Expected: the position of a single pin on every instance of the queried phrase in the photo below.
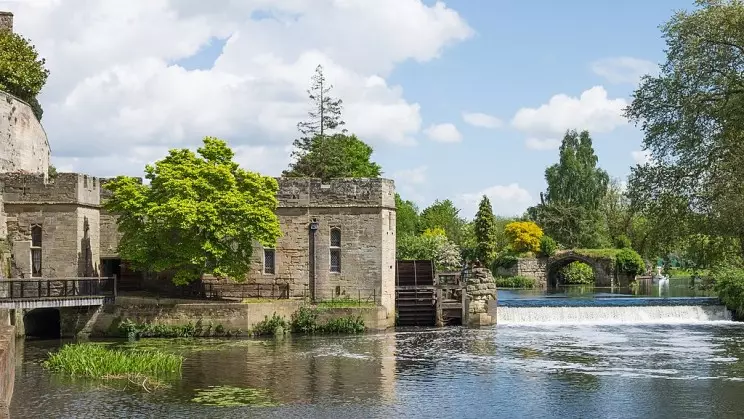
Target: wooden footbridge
(424, 298)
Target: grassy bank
(514, 282)
(144, 368)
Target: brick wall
(23, 143)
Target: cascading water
(612, 310)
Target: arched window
(36, 250)
(335, 249)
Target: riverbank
(7, 368)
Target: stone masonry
(363, 211)
(6, 21)
(23, 143)
(481, 290)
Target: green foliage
(324, 116)
(445, 254)
(486, 246)
(608, 254)
(97, 361)
(200, 215)
(628, 261)
(571, 226)
(270, 326)
(524, 236)
(335, 156)
(505, 260)
(577, 273)
(515, 282)
(406, 217)
(548, 246)
(622, 242)
(133, 330)
(305, 320)
(22, 72)
(443, 214)
(729, 284)
(690, 114)
(229, 396)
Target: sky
(459, 99)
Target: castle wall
(6, 21)
(23, 143)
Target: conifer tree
(485, 232)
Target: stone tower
(6, 21)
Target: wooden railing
(56, 288)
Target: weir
(611, 310)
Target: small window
(36, 251)
(335, 250)
(36, 236)
(269, 261)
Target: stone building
(338, 238)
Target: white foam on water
(613, 315)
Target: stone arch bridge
(545, 269)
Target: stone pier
(481, 298)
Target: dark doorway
(111, 267)
(42, 323)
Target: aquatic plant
(133, 330)
(228, 396)
(101, 362)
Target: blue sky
(156, 75)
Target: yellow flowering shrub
(434, 232)
(524, 236)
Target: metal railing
(55, 288)
(343, 296)
(247, 290)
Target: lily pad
(228, 396)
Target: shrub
(133, 330)
(628, 261)
(729, 284)
(505, 261)
(515, 282)
(270, 325)
(305, 320)
(577, 273)
(22, 72)
(97, 361)
(445, 254)
(524, 236)
(622, 242)
(548, 246)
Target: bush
(505, 261)
(133, 330)
(524, 236)
(305, 320)
(22, 72)
(548, 246)
(270, 325)
(515, 282)
(729, 284)
(577, 273)
(628, 261)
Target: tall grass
(99, 362)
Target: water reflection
(644, 287)
(694, 370)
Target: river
(693, 370)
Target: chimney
(6, 21)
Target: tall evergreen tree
(324, 117)
(485, 232)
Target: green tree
(692, 119)
(200, 214)
(485, 233)
(323, 118)
(335, 156)
(406, 217)
(435, 247)
(570, 210)
(22, 72)
(445, 215)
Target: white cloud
(443, 133)
(641, 157)
(624, 69)
(408, 183)
(509, 199)
(481, 120)
(542, 145)
(114, 85)
(592, 111)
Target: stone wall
(6, 21)
(481, 290)
(66, 208)
(23, 142)
(364, 212)
(7, 368)
(109, 233)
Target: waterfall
(612, 314)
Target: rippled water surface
(608, 371)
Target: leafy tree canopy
(691, 115)
(432, 246)
(445, 215)
(200, 214)
(524, 236)
(335, 156)
(406, 217)
(22, 72)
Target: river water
(643, 370)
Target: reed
(99, 362)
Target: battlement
(6, 21)
(347, 192)
(65, 188)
